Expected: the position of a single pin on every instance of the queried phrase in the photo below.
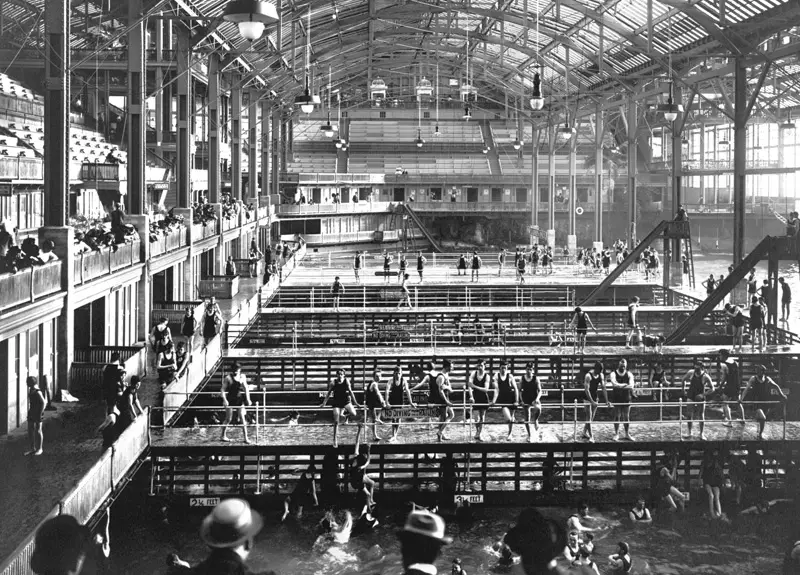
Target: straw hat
(426, 524)
(230, 524)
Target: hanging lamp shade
(788, 124)
(307, 101)
(670, 109)
(436, 132)
(566, 131)
(466, 90)
(251, 16)
(327, 128)
(419, 141)
(377, 89)
(338, 143)
(424, 87)
(537, 100)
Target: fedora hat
(230, 524)
(426, 524)
(61, 543)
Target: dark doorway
(316, 195)
(399, 195)
(472, 194)
(497, 194)
(92, 315)
(162, 285)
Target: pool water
(671, 545)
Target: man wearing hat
(229, 531)
(61, 547)
(421, 541)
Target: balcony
(349, 208)
(165, 244)
(21, 168)
(203, 231)
(29, 285)
(92, 265)
(103, 172)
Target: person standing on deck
(757, 321)
(421, 260)
(531, 393)
(766, 292)
(358, 265)
(235, 393)
(633, 321)
(387, 265)
(397, 391)
(461, 266)
(337, 289)
(36, 405)
(374, 403)
(520, 263)
(440, 395)
(622, 384)
(581, 324)
(593, 384)
(507, 394)
(501, 260)
(403, 265)
(729, 383)
(342, 404)
(761, 389)
(700, 385)
(405, 294)
(710, 284)
(737, 320)
(476, 267)
(517, 256)
(752, 285)
(786, 299)
(482, 393)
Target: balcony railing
(348, 208)
(25, 210)
(203, 231)
(92, 265)
(103, 172)
(29, 285)
(21, 168)
(175, 240)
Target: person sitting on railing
(230, 267)
(167, 364)
(762, 389)
(160, 335)
(181, 358)
(129, 406)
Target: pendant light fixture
(251, 16)
(307, 100)
(419, 141)
(670, 109)
(436, 132)
(466, 87)
(517, 141)
(339, 142)
(327, 128)
(537, 100)
(566, 131)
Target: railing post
(575, 420)
(312, 298)
(365, 338)
(363, 296)
(416, 297)
(680, 418)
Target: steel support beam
(159, 94)
(632, 125)
(572, 189)
(137, 193)
(56, 113)
(252, 147)
(236, 137)
(185, 111)
(534, 184)
(275, 164)
(739, 159)
(677, 160)
(266, 120)
(551, 181)
(213, 128)
(598, 168)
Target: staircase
(418, 222)
(687, 251)
(666, 229)
(771, 247)
(492, 156)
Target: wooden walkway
(314, 437)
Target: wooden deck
(316, 438)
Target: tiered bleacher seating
(506, 134)
(393, 132)
(419, 164)
(88, 146)
(10, 87)
(309, 131)
(312, 163)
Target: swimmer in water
(334, 531)
(574, 521)
(457, 568)
(640, 514)
(621, 561)
(585, 563)
(292, 419)
(573, 547)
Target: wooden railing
(348, 208)
(103, 172)
(30, 284)
(25, 210)
(95, 264)
(203, 231)
(174, 311)
(175, 240)
(89, 495)
(21, 168)
(102, 353)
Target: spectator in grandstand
(763, 393)
(229, 531)
(36, 405)
(61, 546)
(47, 255)
(421, 542)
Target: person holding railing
(129, 406)
(729, 382)
(181, 358)
(481, 386)
(761, 389)
(581, 323)
(593, 385)
(374, 403)
(235, 393)
(507, 394)
(167, 364)
(665, 483)
(700, 386)
(397, 391)
(531, 390)
(343, 402)
(622, 385)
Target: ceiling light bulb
(306, 108)
(436, 132)
(338, 144)
(537, 101)
(517, 144)
(251, 30)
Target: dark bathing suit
(341, 396)
(594, 384)
(530, 389)
(505, 393)
(480, 397)
(696, 387)
(623, 395)
(582, 326)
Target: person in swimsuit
(359, 480)
(166, 364)
(476, 267)
(621, 562)
(36, 405)
(640, 514)
(786, 299)
(188, 325)
(757, 328)
(212, 321)
(482, 394)
(535, 260)
(531, 393)
(520, 264)
(713, 477)
(737, 320)
(507, 394)
(421, 260)
(358, 263)
(461, 266)
(405, 294)
(337, 289)
(235, 394)
(387, 264)
(593, 385)
(440, 395)
(574, 521)
(343, 401)
(573, 546)
(403, 264)
(584, 562)
(729, 385)
(633, 323)
(710, 284)
(501, 261)
(658, 382)
(581, 324)
(700, 386)
(374, 403)
(665, 483)
(181, 358)
(160, 336)
(305, 493)
(622, 384)
(761, 389)
(397, 391)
